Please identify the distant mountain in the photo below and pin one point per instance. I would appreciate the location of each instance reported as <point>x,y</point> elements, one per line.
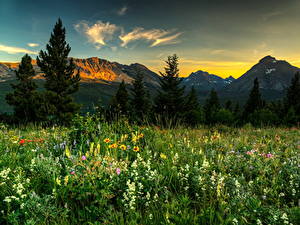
<point>100,79</point>
<point>92,70</point>
<point>204,81</point>
<point>274,78</point>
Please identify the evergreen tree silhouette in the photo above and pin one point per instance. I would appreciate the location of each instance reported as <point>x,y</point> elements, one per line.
<point>170,99</point>
<point>192,115</point>
<point>120,102</point>
<point>211,107</point>
<point>58,71</point>
<point>254,101</point>
<point>25,98</point>
<point>293,94</point>
<point>140,102</point>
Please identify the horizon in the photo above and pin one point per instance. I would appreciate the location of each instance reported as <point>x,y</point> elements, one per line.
<point>236,77</point>
<point>222,38</point>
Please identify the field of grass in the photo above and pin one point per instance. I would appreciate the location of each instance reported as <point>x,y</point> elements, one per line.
<point>99,173</point>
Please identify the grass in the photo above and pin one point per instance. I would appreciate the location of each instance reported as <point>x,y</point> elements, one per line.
<point>99,173</point>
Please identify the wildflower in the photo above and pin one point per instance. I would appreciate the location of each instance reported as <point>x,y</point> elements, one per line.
<point>106,140</point>
<point>123,147</point>
<point>249,153</point>
<point>140,135</point>
<point>66,179</point>
<point>58,181</point>
<point>72,172</point>
<point>163,156</point>
<point>113,146</point>
<point>68,152</point>
<point>269,155</point>
<point>128,147</point>
<point>22,141</point>
<point>83,157</point>
<point>118,171</point>
<point>136,148</point>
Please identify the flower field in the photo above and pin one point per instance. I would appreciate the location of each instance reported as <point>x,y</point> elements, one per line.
<point>99,173</point>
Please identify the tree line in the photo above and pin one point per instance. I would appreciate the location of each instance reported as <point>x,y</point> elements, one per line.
<point>171,106</point>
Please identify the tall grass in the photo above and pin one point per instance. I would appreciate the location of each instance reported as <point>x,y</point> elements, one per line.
<point>100,173</point>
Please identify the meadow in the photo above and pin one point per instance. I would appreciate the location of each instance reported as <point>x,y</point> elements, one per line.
<point>100,173</point>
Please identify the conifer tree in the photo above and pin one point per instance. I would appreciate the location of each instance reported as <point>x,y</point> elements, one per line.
<point>236,110</point>
<point>192,113</point>
<point>192,102</point>
<point>58,71</point>
<point>254,101</point>
<point>211,107</point>
<point>120,102</point>
<point>25,98</point>
<point>170,99</point>
<point>228,105</point>
<point>140,103</point>
<point>293,95</point>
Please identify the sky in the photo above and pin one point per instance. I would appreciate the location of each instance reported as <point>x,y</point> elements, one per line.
<point>222,37</point>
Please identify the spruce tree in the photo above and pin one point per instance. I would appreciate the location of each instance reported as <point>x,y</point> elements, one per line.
<point>254,101</point>
<point>25,98</point>
<point>293,95</point>
<point>192,115</point>
<point>140,103</point>
<point>228,105</point>
<point>58,71</point>
<point>120,102</point>
<point>211,107</point>
<point>169,102</point>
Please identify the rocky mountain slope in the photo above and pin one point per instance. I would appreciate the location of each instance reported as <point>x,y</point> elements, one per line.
<point>100,79</point>
<point>274,78</point>
<point>205,81</point>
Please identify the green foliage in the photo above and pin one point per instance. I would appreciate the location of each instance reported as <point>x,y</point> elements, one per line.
<point>263,117</point>
<point>93,173</point>
<point>211,107</point>
<point>170,99</point>
<point>254,101</point>
<point>25,99</point>
<point>140,102</point>
<point>59,75</point>
<point>120,102</point>
<point>224,116</point>
<point>193,114</point>
<point>293,95</point>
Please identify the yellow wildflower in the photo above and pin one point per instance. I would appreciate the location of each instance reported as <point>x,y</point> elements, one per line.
<point>66,180</point>
<point>163,156</point>
<point>113,145</point>
<point>58,181</point>
<point>136,148</point>
<point>140,135</point>
<point>123,147</point>
<point>68,152</point>
<point>106,140</point>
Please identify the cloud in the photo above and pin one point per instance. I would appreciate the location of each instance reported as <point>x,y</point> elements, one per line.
<point>270,15</point>
<point>218,52</point>
<point>33,45</point>
<point>156,36</point>
<point>122,11</point>
<point>16,50</point>
<point>99,33</point>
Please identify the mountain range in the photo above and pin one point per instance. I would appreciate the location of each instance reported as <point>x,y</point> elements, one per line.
<point>100,79</point>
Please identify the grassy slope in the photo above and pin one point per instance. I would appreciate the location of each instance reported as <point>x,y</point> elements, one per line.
<point>182,176</point>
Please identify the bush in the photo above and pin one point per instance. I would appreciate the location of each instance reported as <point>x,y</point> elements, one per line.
<point>263,117</point>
